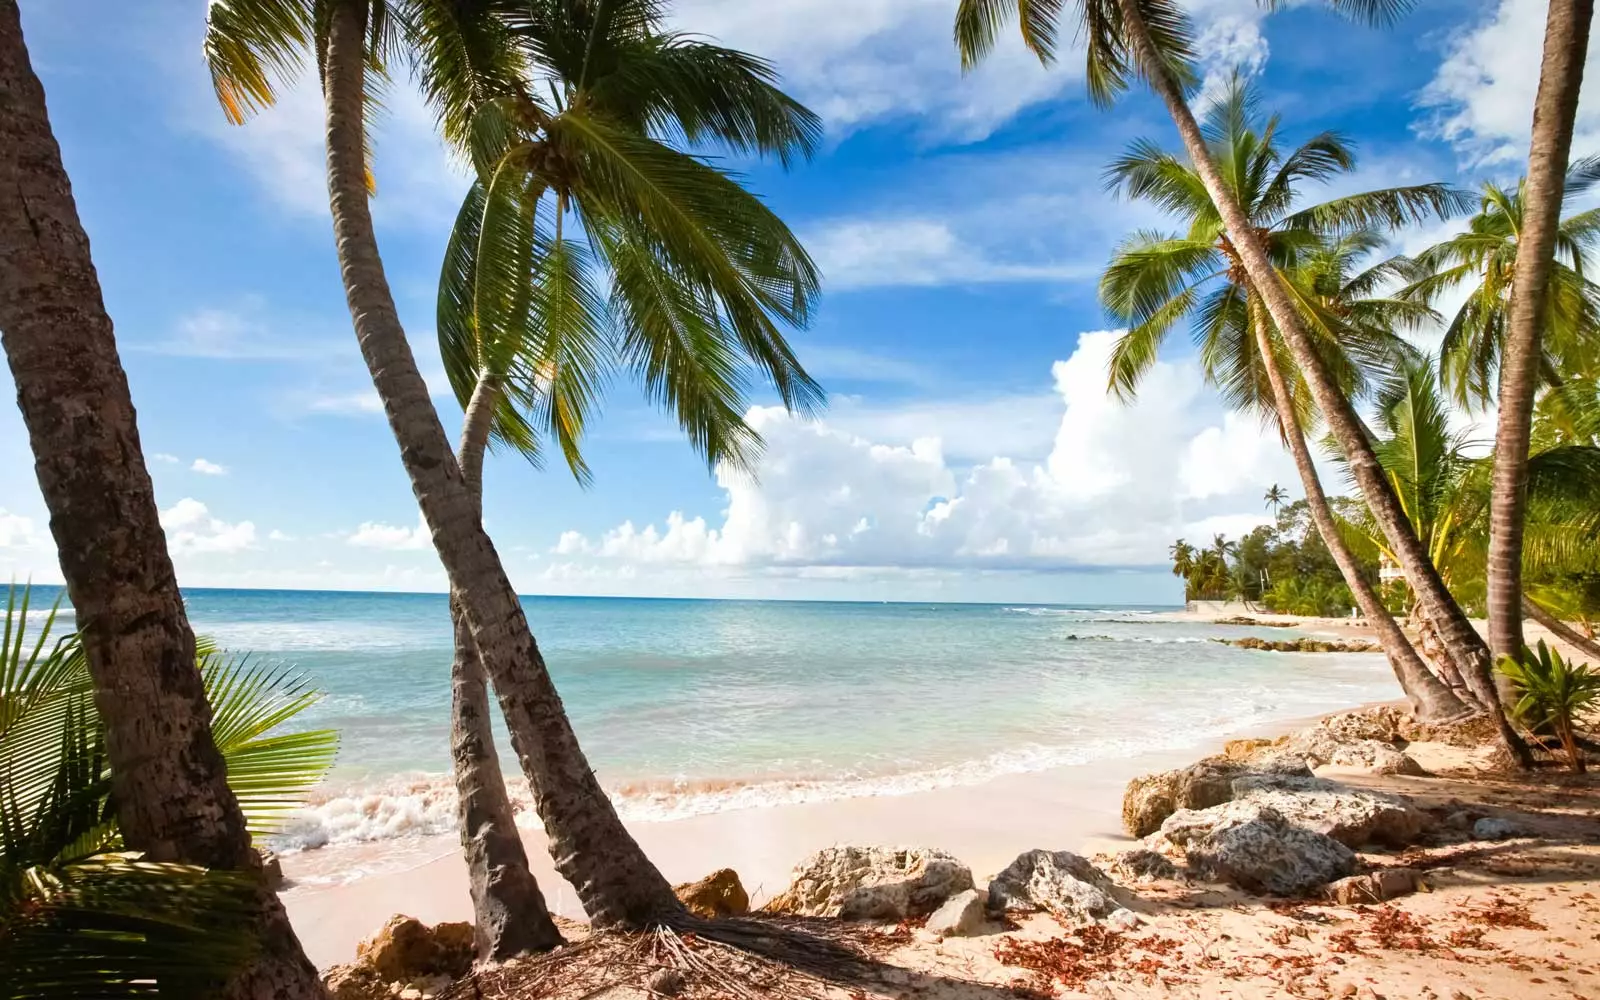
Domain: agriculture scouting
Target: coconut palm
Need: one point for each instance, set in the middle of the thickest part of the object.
(1555, 109)
(1156, 280)
(1275, 497)
(253, 48)
(533, 323)
(80, 914)
(171, 784)
(1183, 558)
(1151, 40)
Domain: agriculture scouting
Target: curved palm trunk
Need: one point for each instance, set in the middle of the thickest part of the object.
(1430, 700)
(170, 783)
(616, 883)
(1566, 45)
(511, 917)
(1466, 647)
(1561, 629)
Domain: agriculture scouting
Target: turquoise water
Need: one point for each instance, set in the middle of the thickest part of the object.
(689, 706)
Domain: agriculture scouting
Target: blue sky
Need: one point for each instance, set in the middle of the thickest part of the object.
(968, 452)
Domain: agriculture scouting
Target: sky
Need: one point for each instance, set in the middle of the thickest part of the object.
(969, 450)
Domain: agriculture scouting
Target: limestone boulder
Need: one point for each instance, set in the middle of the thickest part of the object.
(872, 883)
(357, 981)
(962, 915)
(719, 894)
(1140, 865)
(1254, 847)
(1150, 799)
(1351, 816)
(406, 949)
(1374, 757)
(1060, 883)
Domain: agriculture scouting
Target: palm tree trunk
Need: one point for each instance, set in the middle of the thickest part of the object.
(170, 783)
(511, 917)
(1430, 700)
(616, 883)
(1561, 629)
(1466, 647)
(1566, 45)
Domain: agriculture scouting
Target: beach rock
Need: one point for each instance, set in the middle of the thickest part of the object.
(1141, 865)
(1125, 921)
(1254, 847)
(357, 981)
(406, 949)
(1150, 799)
(1246, 749)
(1062, 883)
(667, 982)
(1374, 757)
(271, 870)
(872, 883)
(1302, 645)
(1495, 828)
(962, 915)
(1351, 816)
(1376, 887)
(719, 894)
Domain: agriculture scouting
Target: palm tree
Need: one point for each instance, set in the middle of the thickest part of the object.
(175, 805)
(253, 46)
(79, 914)
(1156, 280)
(1183, 556)
(529, 336)
(1555, 109)
(1275, 497)
(1151, 39)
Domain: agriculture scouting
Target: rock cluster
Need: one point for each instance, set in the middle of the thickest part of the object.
(1303, 645)
(405, 959)
(872, 883)
(1247, 620)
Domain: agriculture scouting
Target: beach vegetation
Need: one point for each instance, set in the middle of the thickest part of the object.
(1554, 697)
(82, 914)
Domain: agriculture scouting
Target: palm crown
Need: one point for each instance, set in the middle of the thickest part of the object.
(1155, 280)
(1484, 258)
(701, 273)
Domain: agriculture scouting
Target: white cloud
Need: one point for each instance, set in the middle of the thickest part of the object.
(191, 529)
(244, 332)
(279, 536)
(1481, 98)
(16, 531)
(377, 535)
(163, 457)
(859, 253)
(206, 468)
(1117, 485)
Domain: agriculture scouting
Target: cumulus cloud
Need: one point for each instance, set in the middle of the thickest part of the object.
(165, 458)
(377, 535)
(1481, 98)
(206, 468)
(191, 529)
(16, 531)
(1118, 484)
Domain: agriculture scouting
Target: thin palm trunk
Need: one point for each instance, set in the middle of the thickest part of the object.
(1560, 629)
(616, 883)
(1430, 700)
(1466, 647)
(170, 783)
(511, 917)
(1566, 45)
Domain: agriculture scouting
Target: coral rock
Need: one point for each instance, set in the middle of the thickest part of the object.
(1254, 847)
(872, 883)
(406, 949)
(1062, 883)
(962, 915)
(719, 894)
(358, 981)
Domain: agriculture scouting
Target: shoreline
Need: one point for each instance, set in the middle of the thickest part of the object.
(1074, 807)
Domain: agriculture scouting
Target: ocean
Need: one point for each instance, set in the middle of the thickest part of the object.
(693, 706)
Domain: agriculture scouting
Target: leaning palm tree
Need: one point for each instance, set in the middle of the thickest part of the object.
(1156, 280)
(254, 47)
(1555, 110)
(533, 323)
(1151, 40)
(81, 915)
(171, 783)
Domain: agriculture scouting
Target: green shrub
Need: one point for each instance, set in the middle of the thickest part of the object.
(1554, 696)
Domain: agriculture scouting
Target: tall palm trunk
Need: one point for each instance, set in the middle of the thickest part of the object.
(1566, 45)
(1560, 629)
(1466, 647)
(511, 917)
(170, 783)
(1430, 700)
(616, 883)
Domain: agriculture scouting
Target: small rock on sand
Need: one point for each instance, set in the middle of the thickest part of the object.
(1375, 887)
(1495, 828)
(1059, 882)
(872, 883)
(719, 894)
(962, 915)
